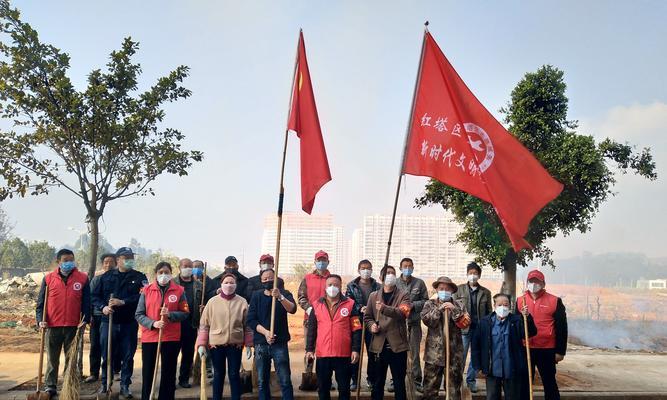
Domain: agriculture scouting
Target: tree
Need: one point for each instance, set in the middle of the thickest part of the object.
(14, 254)
(537, 116)
(42, 255)
(5, 226)
(300, 270)
(101, 144)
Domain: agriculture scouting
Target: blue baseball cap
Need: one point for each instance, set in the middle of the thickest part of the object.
(124, 251)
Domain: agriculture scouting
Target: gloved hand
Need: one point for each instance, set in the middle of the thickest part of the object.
(248, 352)
(202, 351)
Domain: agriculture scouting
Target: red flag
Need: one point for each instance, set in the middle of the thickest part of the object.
(455, 140)
(304, 121)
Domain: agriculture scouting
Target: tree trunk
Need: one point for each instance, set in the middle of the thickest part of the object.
(509, 275)
(93, 228)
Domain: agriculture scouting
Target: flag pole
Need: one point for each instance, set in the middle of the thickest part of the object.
(405, 146)
(281, 195)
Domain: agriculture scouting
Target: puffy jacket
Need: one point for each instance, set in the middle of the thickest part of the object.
(312, 288)
(355, 293)
(335, 333)
(148, 311)
(550, 318)
(69, 298)
(125, 286)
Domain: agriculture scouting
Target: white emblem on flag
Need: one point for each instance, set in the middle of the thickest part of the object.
(172, 298)
(76, 286)
(344, 312)
(480, 142)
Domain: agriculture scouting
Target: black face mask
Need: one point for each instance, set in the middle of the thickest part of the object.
(267, 285)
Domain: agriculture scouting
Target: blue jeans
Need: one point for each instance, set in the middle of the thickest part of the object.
(280, 355)
(124, 342)
(471, 375)
(231, 356)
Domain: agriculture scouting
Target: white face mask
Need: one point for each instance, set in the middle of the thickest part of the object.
(534, 287)
(332, 291)
(502, 311)
(163, 279)
(186, 272)
(228, 288)
(264, 267)
(473, 278)
(390, 279)
(365, 273)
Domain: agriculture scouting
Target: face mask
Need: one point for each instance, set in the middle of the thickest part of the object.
(264, 267)
(444, 295)
(534, 287)
(321, 265)
(407, 272)
(473, 278)
(231, 269)
(129, 264)
(332, 291)
(186, 272)
(268, 285)
(228, 288)
(365, 273)
(67, 267)
(198, 271)
(390, 280)
(502, 311)
(163, 279)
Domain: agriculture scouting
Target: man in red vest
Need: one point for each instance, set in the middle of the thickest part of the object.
(548, 347)
(313, 285)
(334, 336)
(67, 308)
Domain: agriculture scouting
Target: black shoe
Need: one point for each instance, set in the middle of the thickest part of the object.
(184, 385)
(51, 391)
(390, 387)
(125, 392)
(103, 389)
(353, 386)
(91, 379)
(473, 387)
(419, 387)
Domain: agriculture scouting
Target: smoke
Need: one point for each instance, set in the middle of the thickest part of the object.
(619, 335)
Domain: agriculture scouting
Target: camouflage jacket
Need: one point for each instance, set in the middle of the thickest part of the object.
(434, 350)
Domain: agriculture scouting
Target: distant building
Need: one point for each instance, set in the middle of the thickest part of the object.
(652, 284)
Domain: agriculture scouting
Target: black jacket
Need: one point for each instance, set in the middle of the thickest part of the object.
(254, 284)
(482, 343)
(124, 286)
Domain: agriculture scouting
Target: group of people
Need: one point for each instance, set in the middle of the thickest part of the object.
(188, 311)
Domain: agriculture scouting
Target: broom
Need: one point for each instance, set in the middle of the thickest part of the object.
(71, 381)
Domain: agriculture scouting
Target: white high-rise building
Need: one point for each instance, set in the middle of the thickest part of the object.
(428, 240)
(302, 236)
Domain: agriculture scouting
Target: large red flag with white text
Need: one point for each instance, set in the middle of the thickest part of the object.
(304, 121)
(455, 140)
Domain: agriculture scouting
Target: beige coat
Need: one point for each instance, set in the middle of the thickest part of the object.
(224, 320)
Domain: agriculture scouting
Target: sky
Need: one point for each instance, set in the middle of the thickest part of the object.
(363, 59)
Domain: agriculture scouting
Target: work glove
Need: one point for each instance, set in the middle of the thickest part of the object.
(202, 351)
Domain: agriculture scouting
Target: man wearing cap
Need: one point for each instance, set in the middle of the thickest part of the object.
(434, 350)
(125, 283)
(95, 357)
(313, 286)
(548, 347)
(67, 308)
(416, 289)
(477, 301)
(255, 282)
(192, 289)
(232, 267)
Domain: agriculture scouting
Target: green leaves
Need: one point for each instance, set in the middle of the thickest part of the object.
(537, 116)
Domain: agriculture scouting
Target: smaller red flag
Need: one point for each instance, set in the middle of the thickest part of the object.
(455, 140)
(304, 121)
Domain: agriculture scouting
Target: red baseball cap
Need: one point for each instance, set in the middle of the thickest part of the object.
(267, 258)
(320, 254)
(537, 275)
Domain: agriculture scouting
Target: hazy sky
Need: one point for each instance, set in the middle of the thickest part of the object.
(363, 59)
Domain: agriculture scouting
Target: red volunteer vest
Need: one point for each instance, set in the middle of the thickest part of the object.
(542, 309)
(153, 296)
(63, 308)
(334, 334)
(316, 285)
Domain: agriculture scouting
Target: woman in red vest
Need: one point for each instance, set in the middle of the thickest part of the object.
(162, 306)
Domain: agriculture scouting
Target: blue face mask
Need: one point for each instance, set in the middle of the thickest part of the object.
(197, 271)
(407, 272)
(444, 295)
(67, 266)
(129, 264)
(321, 265)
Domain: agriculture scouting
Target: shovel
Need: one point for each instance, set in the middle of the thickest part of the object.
(109, 395)
(308, 378)
(202, 387)
(41, 395)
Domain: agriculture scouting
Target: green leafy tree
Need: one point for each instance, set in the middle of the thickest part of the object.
(14, 254)
(42, 255)
(103, 143)
(537, 116)
(300, 270)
